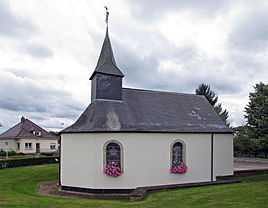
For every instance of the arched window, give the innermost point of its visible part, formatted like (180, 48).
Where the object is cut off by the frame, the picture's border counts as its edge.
(178, 151)
(113, 152)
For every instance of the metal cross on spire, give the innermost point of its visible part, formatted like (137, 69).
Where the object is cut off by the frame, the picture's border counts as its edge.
(107, 15)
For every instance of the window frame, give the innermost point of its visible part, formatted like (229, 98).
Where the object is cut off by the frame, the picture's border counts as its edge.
(52, 144)
(28, 146)
(121, 154)
(183, 151)
(37, 133)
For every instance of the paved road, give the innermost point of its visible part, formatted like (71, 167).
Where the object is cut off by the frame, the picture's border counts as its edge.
(250, 163)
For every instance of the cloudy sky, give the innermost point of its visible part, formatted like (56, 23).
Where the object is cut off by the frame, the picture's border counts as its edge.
(49, 49)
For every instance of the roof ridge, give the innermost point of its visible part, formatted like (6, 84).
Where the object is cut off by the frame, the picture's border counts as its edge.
(126, 88)
(36, 124)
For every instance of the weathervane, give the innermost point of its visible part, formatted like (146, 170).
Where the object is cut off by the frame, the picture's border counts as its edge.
(107, 15)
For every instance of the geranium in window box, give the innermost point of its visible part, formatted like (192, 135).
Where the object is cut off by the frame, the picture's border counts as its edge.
(112, 169)
(178, 167)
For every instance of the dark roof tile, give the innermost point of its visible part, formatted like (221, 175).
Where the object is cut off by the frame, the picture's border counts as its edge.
(150, 111)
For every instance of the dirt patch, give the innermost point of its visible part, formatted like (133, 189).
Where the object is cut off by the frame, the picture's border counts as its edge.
(52, 188)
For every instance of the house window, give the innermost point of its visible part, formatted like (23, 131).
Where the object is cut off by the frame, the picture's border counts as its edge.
(28, 146)
(178, 151)
(18, 146)
(37, 133)
(113, 152)
(52, 145)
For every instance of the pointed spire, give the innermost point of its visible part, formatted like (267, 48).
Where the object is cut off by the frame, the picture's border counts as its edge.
(106, 63)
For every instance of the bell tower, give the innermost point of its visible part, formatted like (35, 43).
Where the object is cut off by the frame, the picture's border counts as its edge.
(106, 80)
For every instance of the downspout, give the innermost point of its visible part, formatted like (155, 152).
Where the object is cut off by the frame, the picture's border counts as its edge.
(211, 157)
(60, 162)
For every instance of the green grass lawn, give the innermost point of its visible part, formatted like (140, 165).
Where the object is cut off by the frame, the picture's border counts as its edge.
(18, 189)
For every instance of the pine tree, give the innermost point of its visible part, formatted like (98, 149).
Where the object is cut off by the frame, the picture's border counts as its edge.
(205, 90)
(212, 98)
(257, 111)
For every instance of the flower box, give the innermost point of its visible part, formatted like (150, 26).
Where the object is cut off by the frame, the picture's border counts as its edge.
(112, 169)
(178, 167)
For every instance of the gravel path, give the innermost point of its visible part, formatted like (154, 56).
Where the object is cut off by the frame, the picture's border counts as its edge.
(241, 163)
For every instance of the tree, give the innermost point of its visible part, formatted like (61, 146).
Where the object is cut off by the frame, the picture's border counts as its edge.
(54, 133)
(257, 117)
(222, 113)
(205, 90)
(242, 142)
(257, 111)
(212, 98)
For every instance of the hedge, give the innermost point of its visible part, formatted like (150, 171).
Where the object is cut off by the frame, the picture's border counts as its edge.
(3, 153)
(28, 162)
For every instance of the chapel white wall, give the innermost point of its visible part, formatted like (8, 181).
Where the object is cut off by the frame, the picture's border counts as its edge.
(223, 154)
(146, 159)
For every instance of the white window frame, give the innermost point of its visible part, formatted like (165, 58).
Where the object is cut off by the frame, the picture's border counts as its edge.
(28, 145)
(37, 133)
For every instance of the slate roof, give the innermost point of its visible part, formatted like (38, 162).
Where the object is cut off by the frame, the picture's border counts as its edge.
(150, 111)
(106, 63)
(24, 129)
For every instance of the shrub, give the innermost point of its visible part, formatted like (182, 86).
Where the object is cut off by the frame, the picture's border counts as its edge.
(3, 153)
(47, 153)
(28, 162)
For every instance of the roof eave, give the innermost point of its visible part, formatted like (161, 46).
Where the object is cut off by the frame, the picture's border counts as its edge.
(133, 131)
(91, 77)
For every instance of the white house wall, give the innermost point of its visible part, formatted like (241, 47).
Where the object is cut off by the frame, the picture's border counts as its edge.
(12, 144)
(146, 159)
(223, 154)
(44, 145)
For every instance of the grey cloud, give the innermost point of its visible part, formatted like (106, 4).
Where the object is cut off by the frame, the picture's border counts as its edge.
(150, 10)
(146, 72)
(29, 97)
(22, 73)
(250, 31)
(12, 25)
(37, 50)
(39, 118)
(32, 74)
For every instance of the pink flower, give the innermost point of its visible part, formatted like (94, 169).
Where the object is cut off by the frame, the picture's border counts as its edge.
(178, 167)
(112, 169)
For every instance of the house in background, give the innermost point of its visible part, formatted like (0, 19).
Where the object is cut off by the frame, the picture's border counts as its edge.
(28, 138)
(143, 132)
